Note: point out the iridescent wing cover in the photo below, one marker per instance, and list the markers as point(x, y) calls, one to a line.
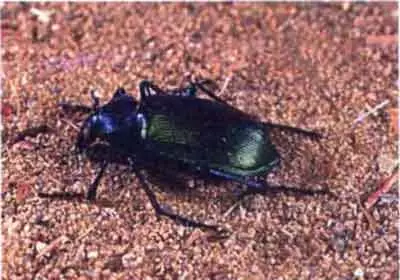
point(207, 134)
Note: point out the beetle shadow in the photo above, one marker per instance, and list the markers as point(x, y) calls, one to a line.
point(173, 179)
point(182, 182)
point(301, 160)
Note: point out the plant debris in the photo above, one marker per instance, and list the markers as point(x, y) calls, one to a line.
point(23, 191)
point(394, 120)
point(372, 111)
point(52, 246)
point(385, 186)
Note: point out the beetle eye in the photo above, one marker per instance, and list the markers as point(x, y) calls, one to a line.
point(95, 126)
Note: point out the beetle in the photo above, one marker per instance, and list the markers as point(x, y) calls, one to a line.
point(206, 136)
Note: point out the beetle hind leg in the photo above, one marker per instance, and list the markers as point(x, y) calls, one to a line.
point(312, 134)
point(255, 187)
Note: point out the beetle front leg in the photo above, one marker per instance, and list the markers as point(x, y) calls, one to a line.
point(74, 108)
point(163, 212)
point(82, 108)
point(91, 195)
point(189, 91)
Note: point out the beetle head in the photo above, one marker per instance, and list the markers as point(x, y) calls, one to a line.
point(107, 121)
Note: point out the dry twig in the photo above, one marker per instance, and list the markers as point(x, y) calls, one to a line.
point(374, 110)
point(384, 187)
point(54, 244)
point(225, 85)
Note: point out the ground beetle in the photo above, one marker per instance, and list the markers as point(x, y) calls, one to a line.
point(177, 128)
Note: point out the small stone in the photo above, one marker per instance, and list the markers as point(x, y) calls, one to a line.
point(180, 231)
point(386, 162)
point(42, 15)
point(358, 273)
point(40, 246)
point(130, 260)
point(55, 27)
point(92, 254)
point(346, 6)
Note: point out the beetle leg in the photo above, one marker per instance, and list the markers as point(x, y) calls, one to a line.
point(267, 189)
point(261, 187)
point(146, 87)
point(164, 212)
point(307, 133)
point(208, 92)
point(189, 91)
point(62, 196)
point(82, 108)
point(91, 195)
point(73, 108)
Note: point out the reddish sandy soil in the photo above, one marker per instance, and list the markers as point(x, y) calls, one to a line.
point(315, 66)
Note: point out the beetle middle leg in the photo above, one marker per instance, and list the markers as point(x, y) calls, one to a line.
point(208, 92)
point(91, 194)
point(146, 87)
point(164, 212)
